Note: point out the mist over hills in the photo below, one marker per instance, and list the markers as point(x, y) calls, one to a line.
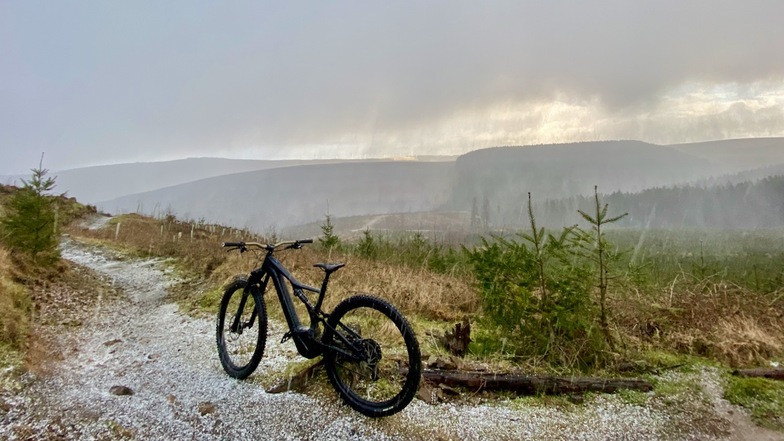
point(95, 184)
point(734, 155)
point(744, 176)
point(499, 179)
point(746, 205)
point(494, 182)
point(275, 198)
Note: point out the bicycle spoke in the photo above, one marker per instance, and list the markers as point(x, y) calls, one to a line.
point(240, 343)
point(375, 377)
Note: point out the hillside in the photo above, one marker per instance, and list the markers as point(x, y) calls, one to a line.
point(490, 183)
point(497, 180)
point(101, 183)
point(734, 155)
point(737, 178)
point(282, 197)
point(743, 205)
point(725, 202)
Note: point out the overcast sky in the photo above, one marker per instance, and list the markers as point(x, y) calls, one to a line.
point(104, 82)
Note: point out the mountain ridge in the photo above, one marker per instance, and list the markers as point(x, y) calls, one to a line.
point(492, 181)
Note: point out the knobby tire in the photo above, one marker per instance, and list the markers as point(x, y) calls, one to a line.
point(234, 359)
point(373, 389)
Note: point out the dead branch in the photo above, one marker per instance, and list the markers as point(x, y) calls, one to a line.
point(533, 385)
point(772, 373)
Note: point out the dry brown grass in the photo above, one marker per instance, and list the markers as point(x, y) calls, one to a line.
point(718, 320)
point(197, 245)
point(745, 339)
point(14, 305)
point(414, 291)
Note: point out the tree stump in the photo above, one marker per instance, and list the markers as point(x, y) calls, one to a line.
point(456, 341)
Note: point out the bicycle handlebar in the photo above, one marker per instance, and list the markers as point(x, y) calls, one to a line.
point(268, 247)
point(233, 244)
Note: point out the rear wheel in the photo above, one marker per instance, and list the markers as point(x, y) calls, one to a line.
point(378, 370)
point(241, 329)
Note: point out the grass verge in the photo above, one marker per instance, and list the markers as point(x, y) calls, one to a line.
point(764, 398)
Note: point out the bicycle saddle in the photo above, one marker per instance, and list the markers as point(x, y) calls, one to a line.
point(329, 267)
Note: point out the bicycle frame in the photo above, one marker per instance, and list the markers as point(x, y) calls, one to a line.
point(305, 339)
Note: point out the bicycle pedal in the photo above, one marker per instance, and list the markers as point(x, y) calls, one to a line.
point(286, 337)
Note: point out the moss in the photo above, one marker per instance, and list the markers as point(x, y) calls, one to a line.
point(682, 385)
point(209, 301)
point(557, 401)
point(119, 431)
point(634, 397)
point(487, 342)
point(764, 398)
point(663, 359)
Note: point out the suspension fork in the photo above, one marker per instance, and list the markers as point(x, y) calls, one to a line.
point(236, 327)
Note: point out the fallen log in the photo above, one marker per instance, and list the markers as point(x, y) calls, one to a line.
point(533, 385)
point(772, 373)
point(478, 381)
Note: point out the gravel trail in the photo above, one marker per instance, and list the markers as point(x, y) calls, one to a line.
point(180, 392)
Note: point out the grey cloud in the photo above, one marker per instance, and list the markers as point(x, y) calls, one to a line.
point(108, 81)
point(738, 121)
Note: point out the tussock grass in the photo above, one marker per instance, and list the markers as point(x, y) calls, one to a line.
point(716, 320)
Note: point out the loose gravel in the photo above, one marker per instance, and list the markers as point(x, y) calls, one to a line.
point(179, 391)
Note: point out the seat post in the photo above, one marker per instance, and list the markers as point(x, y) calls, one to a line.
point(328, 268)
point(323, 290)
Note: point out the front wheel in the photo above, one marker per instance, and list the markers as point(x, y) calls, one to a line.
point(375, 364)
point(241, 329)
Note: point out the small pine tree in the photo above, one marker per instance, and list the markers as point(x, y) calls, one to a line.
point(29, 225)
point(600, 251)
point(538, 240)
point(367, 245)
point(329, 239)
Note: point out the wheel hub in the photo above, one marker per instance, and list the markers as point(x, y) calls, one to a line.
point(371, 352)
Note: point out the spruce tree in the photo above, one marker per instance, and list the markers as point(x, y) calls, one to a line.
point(367, 245)
point(329, 239)
point(29, 222)
point(600, 251)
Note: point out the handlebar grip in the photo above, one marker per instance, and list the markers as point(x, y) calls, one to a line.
point(305, 241)
point(233, 244)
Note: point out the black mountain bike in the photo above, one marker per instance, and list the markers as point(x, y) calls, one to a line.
point(370, 351)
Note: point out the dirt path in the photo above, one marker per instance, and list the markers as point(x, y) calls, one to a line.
point(168, 359)
point(370, 223)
